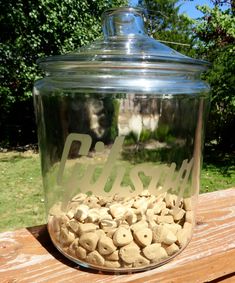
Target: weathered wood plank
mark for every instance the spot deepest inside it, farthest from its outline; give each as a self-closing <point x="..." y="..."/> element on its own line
<point x="225" y="279"/>
<point x="27" y="255"/>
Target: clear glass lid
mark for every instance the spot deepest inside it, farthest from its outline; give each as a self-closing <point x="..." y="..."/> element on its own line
<point x="125" y="50"/>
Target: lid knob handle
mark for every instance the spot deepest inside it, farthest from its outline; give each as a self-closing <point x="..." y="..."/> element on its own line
<point x="123" y="22"/>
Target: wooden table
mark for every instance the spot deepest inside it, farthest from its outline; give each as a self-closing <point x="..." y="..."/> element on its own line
<point x="27" y="255"/>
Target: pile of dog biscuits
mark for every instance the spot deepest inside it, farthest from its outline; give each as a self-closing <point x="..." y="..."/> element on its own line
<point x="122" y="232"/>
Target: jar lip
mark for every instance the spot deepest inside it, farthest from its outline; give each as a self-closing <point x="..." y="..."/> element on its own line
<point x="105" y="54"/>
<point x="107" y="62"/>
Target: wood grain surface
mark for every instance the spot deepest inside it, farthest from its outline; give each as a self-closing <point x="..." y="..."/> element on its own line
<point x="27" y="255"/>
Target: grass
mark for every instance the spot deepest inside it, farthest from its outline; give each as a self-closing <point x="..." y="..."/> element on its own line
<point x="21" y="193"/>
<point x="218" y="171"/>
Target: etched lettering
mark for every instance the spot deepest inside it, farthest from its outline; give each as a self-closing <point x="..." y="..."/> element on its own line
<point x="135" y="178"/>
<point x="162" y="178"/>
<point x="117" y="188"/>
<point x="156" y="181"/>
<point x="84" y="149"/>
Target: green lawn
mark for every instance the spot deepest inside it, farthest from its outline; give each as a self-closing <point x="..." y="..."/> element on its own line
<point x="218" y="171"/>
<point x="21" y="194"/>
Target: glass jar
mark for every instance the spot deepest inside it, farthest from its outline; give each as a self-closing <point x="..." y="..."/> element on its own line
<point x="120" y="128"/>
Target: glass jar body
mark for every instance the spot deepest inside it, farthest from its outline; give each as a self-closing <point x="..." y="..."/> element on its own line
<point x="120" y="171"/>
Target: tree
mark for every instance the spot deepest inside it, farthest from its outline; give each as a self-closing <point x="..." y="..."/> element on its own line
<point x="39" y="28"/>
<point x="216" y="29"/>
<point x="34" y="29"/>
<point x="171" y="27"/>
